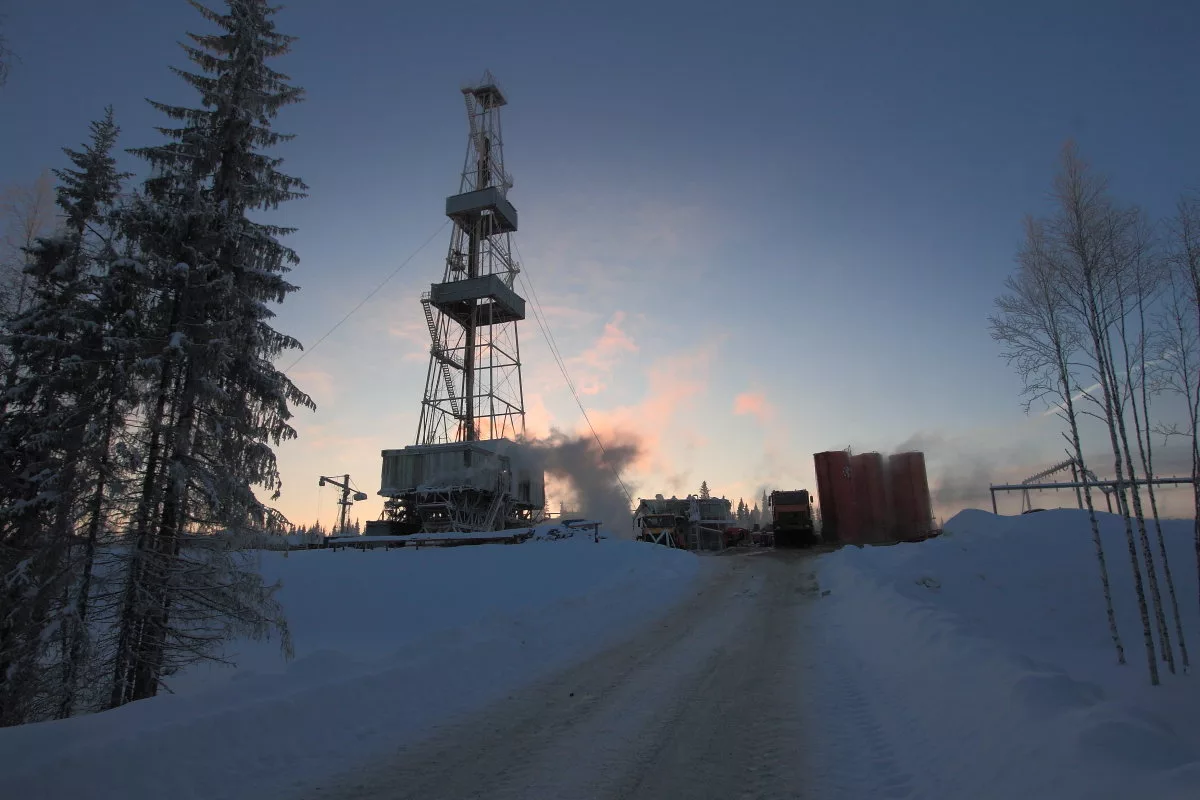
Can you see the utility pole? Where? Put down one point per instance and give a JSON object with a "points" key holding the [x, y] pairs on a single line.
{"points": [[349, 496]]}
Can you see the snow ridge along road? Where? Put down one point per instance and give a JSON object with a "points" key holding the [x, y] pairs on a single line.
{"points": [[706, 702]]}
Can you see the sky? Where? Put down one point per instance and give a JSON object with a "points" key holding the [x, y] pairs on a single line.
{"points": [[757, 230]]}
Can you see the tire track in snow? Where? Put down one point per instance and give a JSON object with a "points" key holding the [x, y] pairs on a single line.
{"points": [[702, 704], [742, 691], [482, 751], [741, 735], [852, 754]]}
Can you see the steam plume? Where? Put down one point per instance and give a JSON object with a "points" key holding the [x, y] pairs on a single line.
{"points": [[591, 474]]}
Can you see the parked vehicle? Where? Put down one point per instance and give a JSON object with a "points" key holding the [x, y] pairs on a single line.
{"points": [[735, 536], [664, 528], [792, 518]]}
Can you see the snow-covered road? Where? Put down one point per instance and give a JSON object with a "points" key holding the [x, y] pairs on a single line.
{"points": [[707, 702]]}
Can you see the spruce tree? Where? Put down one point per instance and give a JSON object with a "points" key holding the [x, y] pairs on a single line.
{"points": [[53, 418], [104, 378], [217, 404], [33, 484], [52, 414]]}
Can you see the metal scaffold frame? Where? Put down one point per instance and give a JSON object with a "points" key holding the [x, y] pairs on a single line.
{"points": [[1109, 488], [473, 386]]}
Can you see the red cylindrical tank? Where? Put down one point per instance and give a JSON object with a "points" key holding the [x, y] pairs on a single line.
{"points": [[835, 489], [921, 497], [902, 499], [910, 495], [871, 491]]}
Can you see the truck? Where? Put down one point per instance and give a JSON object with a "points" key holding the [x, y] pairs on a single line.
{"points": [[792, 517], [663, 528]]}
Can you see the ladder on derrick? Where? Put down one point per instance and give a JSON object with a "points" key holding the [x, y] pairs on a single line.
{"points": [[440, 353]]}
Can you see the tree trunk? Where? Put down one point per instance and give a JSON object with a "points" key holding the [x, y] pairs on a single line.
{"points": [[1146, 451], [96, 519], [129, 640], [1160, 617], [167, 539], [1099, 330], [1065, 379]]}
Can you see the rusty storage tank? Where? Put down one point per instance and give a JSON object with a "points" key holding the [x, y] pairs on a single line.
{"points": [[899, 483], [835, 489], [910, 495], [871, 493]]}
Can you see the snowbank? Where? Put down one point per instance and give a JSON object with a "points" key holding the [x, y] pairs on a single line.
{"points": [[388, 643], [990, 652]]}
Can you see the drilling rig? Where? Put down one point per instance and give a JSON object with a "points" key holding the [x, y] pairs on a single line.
{"points": [[468, 469]]}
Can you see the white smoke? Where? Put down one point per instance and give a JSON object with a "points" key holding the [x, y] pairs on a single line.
{"points": [[592, 475]]}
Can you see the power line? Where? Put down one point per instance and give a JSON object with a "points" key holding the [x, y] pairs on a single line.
{"points": [[538, 315], [370, 294]]}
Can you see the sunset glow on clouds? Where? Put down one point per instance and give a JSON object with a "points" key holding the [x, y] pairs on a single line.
{"points": [[594, 366], [699, 250], [754, 404], [664, 413]]}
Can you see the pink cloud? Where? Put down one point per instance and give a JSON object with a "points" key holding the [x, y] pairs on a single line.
{"points": [[754, 404], [594, 366], [538, 421], [674, 384]]}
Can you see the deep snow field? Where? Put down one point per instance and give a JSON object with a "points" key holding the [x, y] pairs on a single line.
{"points": [[387, 644], [989, 652], [979, 664]]}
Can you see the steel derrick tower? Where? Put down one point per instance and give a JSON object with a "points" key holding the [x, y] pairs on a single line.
{"points": [[473, 388]]}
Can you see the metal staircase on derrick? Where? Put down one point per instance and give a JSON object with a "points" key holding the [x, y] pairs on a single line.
{"points": [[439, 352]]}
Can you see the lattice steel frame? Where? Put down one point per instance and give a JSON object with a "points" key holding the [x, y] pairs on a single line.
{"points": [[473, 386]]}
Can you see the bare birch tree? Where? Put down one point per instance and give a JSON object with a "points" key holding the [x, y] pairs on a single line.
{"points": [[1140, 284], [1086, 238], [1039, 337], [1178, 363]]}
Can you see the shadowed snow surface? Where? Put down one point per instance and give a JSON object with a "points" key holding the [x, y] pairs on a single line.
{"points": [[976, 665], [387, 643], [990, 659]]}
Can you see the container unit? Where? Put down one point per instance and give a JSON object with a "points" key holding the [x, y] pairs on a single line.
{"points": [[911, 504], [835, 489], [464, 465], [871, 492]]}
